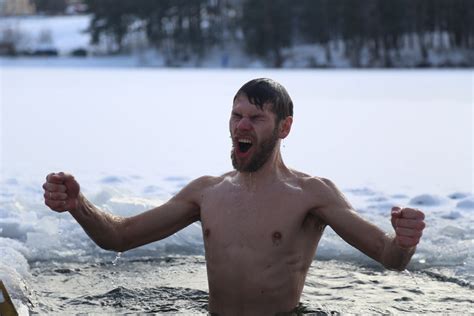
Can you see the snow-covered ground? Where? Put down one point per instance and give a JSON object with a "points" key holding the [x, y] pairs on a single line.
{"points": [[133, 137]]}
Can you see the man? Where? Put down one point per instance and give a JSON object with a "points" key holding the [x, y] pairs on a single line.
{"points": [[261, 222]]}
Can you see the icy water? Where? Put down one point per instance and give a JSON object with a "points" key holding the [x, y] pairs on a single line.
{"points": [[134, 137], [179, 284]]}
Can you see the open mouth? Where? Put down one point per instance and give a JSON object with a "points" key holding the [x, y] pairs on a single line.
{"points": [[244, 145]]}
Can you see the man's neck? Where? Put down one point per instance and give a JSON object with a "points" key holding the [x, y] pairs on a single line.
{"points": [[273, 169]]}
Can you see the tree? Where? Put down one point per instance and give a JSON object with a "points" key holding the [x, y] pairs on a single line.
{"points": [[268, 27], [50, 6]]}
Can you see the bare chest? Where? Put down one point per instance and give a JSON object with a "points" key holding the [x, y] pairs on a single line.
{"points": [[269, 220]]}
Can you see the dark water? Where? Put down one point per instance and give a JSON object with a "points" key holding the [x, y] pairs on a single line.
{"points": [[178, 285]]}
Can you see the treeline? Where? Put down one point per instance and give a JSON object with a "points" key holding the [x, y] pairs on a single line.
{"points": [[367, 33]]}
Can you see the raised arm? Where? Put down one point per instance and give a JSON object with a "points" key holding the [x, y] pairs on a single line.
{"points": [[111, 232], [394, 252]]}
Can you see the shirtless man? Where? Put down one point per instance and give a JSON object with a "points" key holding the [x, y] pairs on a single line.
{"points": [[261, 222]]}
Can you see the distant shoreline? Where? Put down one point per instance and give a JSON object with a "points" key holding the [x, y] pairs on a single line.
{"points": [[132, 61]]}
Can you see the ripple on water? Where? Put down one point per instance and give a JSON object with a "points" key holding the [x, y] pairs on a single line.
{"points": [[159, 299]]}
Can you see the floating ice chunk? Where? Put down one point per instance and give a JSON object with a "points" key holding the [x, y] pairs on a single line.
{"points": [[14, 283], [14, 244], [466, 203], [361, 191], [176, 179], [379, 198], [458, 195], [13, 228], [112, 180], [127, 206], [426, 200], [104, 196], [452, 215], [9, 257], [152, 189], [454, 232], [399, 196], [42, 242], [382, 207]]}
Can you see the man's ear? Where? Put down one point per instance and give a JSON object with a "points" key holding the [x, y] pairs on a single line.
{"points": [[285, 127]]}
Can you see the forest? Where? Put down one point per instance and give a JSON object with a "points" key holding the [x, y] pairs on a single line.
{"points": [[369, 33]]}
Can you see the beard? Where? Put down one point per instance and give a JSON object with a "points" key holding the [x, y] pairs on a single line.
{"points": [[260, 156]]}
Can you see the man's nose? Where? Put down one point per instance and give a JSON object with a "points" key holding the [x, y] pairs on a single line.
{"points": [[244, 124]]}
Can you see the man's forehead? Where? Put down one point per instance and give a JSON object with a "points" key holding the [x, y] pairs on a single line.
{"points": [[242, 102]]}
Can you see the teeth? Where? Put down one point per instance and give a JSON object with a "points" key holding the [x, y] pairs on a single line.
{"points": [[244, 140]]}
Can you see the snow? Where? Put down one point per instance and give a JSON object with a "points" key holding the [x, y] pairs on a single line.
{"points": [[133, 137], [66, 32]]}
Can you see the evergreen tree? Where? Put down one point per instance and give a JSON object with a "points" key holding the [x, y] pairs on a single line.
{"points": [[267, 26], [50, 6]]}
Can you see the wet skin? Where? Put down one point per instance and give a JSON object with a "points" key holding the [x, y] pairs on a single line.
{"points": [[260, 229], [259, 243]]}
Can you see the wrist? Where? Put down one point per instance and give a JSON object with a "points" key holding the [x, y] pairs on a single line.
{"points": [[78, 203]]}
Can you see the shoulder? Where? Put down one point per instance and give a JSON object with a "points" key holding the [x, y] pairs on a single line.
{"points": [[195, 189], [202, 183], [323, 190], [314, 184]]}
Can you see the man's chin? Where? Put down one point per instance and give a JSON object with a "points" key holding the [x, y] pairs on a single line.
{"points": [[245, 167], [239, 165]]}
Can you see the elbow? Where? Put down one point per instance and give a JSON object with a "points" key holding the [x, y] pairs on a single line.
{"points": [[115, 247], [115, 242]]}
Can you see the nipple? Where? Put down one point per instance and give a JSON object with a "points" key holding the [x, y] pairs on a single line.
{"points": [[276, 238]]}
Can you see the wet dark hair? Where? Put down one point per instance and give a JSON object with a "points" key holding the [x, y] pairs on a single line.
{"points": [[263, 90]]}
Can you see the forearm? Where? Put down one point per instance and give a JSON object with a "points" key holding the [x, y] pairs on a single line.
{"points": [[103, 228], [395, 257]]}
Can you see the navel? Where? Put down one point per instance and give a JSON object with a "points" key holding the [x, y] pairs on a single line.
{"points": [[207, 233], [276, 238]]}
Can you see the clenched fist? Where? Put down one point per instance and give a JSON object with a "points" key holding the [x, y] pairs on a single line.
{"points": [[61, 192], [408, 224]]}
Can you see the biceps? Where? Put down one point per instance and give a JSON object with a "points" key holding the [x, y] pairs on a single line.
{"points": [[158, 223]]}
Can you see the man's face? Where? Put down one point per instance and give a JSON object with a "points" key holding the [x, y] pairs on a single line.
{"points": [[254, 134]]}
